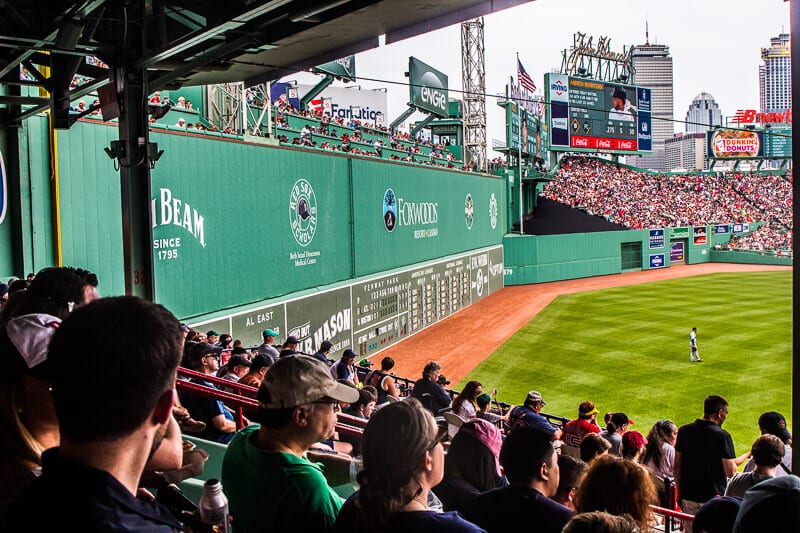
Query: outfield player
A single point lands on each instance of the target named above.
(693, 353)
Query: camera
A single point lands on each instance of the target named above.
(443, 380)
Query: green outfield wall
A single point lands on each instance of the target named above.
(543, 258)
(749, 257)
(370, 313)
(26, 230)
(236, 223)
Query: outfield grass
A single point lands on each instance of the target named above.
(627, 349)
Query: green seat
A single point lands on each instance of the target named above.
(193, 487)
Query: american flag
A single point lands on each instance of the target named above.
(524, 79)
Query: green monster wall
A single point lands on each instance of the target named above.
(237, 223)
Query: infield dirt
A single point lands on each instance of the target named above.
(462, 341)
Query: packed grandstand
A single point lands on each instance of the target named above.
(640, 199)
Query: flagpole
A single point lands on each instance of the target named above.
(519, 150)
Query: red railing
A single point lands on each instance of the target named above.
(673, 520)
(345, 424)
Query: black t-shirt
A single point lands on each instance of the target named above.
(702, 445)
(439, 399)
(69, 495)
(375, 378)
(509, 508)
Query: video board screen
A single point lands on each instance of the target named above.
(588, 115)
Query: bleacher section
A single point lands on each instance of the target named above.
(634, 199)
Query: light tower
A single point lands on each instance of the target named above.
(473, 75)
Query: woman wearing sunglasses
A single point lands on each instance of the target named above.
(403, 459)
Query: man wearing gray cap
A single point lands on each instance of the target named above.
(270, 482)
(528, 414)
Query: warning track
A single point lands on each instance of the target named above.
(462, 341)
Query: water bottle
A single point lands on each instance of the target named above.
(214, 506)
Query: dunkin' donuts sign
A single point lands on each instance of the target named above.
(735, 144)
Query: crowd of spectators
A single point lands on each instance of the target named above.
(364, 134)
(411, 469)
(639, 200)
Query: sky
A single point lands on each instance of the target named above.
(715, 46)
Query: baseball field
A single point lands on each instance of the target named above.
(627, 349)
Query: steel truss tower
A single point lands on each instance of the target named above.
(473, 75)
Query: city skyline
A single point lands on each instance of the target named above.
(709, 54)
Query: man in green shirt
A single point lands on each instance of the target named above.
(271, 483)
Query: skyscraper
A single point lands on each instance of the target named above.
(703, 114)
(653, 68)
(775, 75)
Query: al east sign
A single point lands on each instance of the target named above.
(750, 116)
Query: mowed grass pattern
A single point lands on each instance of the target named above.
(627, 349)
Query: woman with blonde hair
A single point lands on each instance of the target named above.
(403, 459)
(617, 486)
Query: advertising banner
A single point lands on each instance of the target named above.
(428, 87)
(656, 238)
(592, 115)
(676, 250)
(700, 235)
(344, 68)
(678, 233)
(721, 229)
(656, 260)
(741, 228)
(326, 317)
(340, 102)
(735, 144)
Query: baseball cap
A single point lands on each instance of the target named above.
(487, 434)
(775, 424)
(483, 399)
(619, 92)
(348, 353)
(717, 515)
(534, 396)
(587, 408)
(184, 327)
(200, 350)
(633, 439)
(299, 379)
(365, 362)
(239, 360)
(260, 361)
(621, 419)
(212, 332)
(29, 336)
(291, 339)
(270, 333)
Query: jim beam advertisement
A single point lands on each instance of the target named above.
(735, 144)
